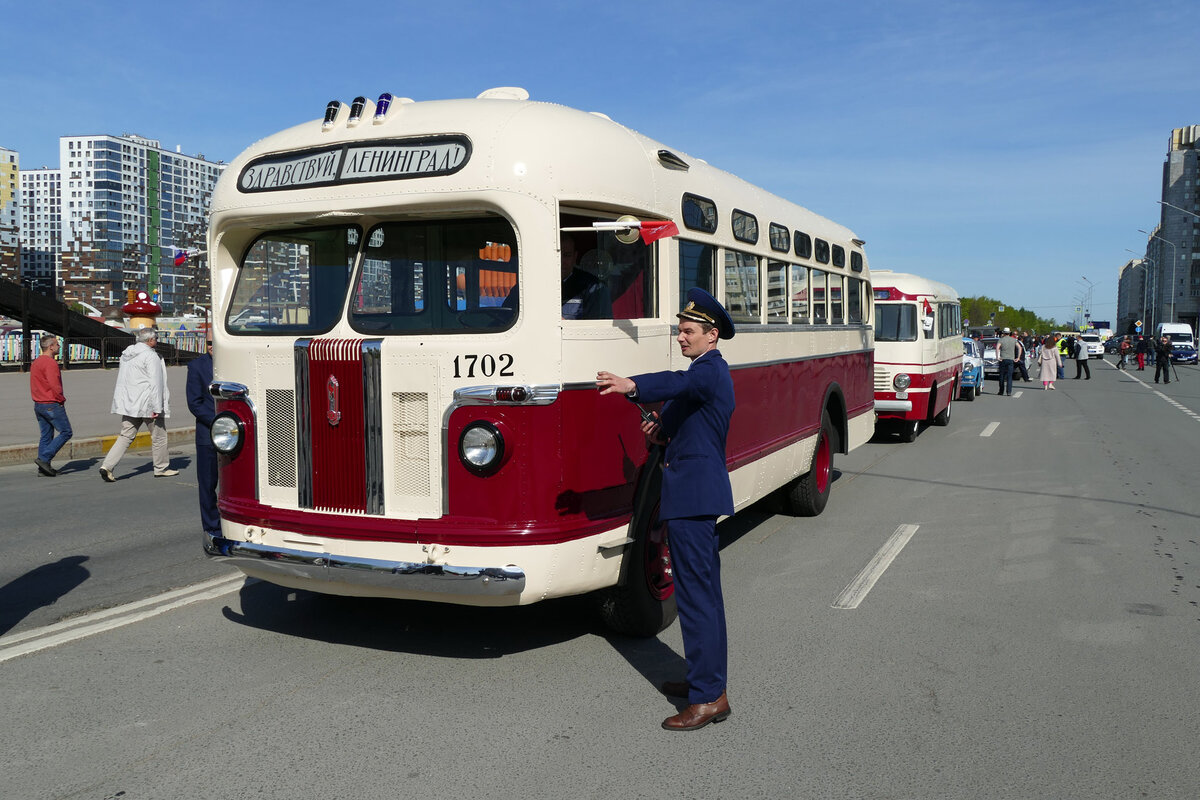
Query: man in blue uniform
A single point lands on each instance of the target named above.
(200, 403)
(695, 491)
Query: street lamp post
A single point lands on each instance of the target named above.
(1174, 252)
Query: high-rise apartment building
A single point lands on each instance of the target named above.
(41, 228)
(126, 205)
(10, 214)
(1170, 272)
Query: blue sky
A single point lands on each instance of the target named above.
(1005, 148)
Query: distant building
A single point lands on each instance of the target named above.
(1173, 250)
(10, 214)
(126, 205)
(41, 228)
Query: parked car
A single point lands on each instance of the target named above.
(971, 385)
(1094, 345)
(1184, 354)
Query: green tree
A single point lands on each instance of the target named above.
(979, 311)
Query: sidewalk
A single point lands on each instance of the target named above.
(89, 398)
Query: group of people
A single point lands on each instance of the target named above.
(142, 399)
(1053, 351)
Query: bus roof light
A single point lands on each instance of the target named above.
(331, 112)
(356, 111)
(381, 108)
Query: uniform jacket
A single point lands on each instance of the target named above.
(141, 383)
(200, 402)
(695, 422)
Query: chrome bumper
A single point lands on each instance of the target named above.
(893, 406)
(411, 576)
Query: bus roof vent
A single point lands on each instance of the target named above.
(671, 161)
(504, 93)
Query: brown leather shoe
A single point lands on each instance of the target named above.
(698, 715)
(675, 688)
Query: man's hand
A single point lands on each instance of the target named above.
(608, 383)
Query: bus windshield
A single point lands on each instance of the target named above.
(895, 322)
(437, 276)
(293, 281)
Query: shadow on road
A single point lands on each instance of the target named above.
(39, 587)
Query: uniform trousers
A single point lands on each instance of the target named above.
(158, 441)
(206, 478)
(696, 566)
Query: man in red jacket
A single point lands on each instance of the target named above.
(49, 405)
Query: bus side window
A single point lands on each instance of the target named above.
(695, 268)
(741, 286)
(854, 304)
(777, 290)
(820, 308)
(835, 299)
(603, 278)
(799, 294)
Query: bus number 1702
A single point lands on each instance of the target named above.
(485, 366)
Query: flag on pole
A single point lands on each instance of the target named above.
(180, 257)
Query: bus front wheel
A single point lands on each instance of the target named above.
(644, 603)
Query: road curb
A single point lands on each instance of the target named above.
(91, 447)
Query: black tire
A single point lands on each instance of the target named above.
(643, 603)
(970, 393)
(807, 495)
(909, 430)
(978, 389)
(943, 418)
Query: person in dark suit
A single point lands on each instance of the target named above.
(203, 407)
(694, 424)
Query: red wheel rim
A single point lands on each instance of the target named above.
(823, 463)
(659, 580)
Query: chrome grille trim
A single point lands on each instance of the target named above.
(373, 423)
(281, 437)
(304, 491)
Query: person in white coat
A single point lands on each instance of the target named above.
(141, 398)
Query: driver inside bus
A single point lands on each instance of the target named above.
(584, 295)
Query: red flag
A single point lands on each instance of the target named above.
(180, 257)
(653, 231)
(928, 308)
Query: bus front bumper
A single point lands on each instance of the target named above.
(893, 406)
(406, 575)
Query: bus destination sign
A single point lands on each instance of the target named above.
(356, 163)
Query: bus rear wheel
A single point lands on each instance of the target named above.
(807, 495)
(644, 603)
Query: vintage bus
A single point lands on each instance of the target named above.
(918, 352)
(412, 302)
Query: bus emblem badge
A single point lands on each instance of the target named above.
(333, 415)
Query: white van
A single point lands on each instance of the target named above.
(1183, 344)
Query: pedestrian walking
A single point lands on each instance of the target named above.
(1142, 348)
(695, 491)
(1049, 364)
(49, 405)
(141, 398)
(204, 408)
(1123, 350)
(1081, 359)
(1006, 353)
(1022, 349)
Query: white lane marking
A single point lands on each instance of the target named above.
(990, 429)
(856, 591)
(1171, 400)
(1018, 393)
(109, 618)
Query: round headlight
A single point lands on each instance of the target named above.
(901, 381)
(227, 433)
(481, 447)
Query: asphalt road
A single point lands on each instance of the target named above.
(1036, 637)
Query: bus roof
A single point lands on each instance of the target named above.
(550, 151)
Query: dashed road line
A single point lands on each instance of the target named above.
(856, 591)
(990, 429)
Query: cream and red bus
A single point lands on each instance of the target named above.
(405, 382)
(918, 352)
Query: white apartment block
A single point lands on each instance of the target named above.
(41, 228)
(126, 206)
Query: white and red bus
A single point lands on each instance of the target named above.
(406, 383)
(918, 352)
